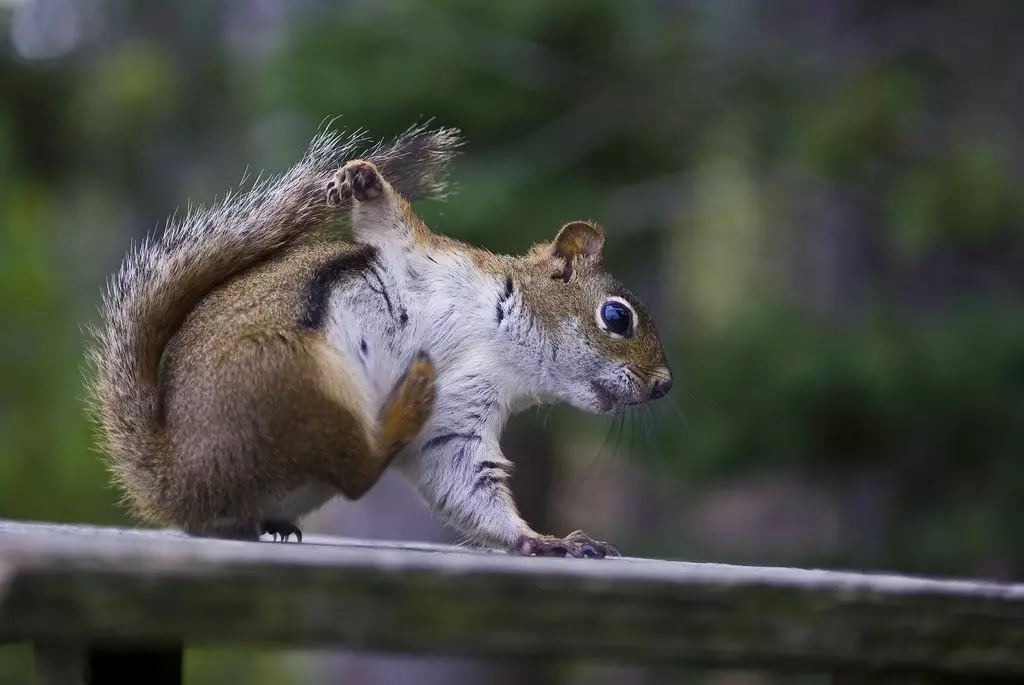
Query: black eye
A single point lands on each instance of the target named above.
(617, 318)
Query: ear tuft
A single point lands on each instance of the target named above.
(579, 239)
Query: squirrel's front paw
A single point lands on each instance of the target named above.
(358, 179)
(574, 544)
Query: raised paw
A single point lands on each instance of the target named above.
(575, 544)
(285, 529)
(358, 179)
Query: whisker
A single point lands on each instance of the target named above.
(655, 371)
(593, 462)
(682, 417)
(618, 438)
(632, 433)
(636, 384)
(648, 422)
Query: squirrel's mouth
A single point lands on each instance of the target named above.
(607, 400)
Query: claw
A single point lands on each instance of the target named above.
(281, 530)
(576, 544)
(358, 179)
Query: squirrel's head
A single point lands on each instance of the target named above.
(603, 349)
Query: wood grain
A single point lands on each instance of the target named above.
(68, 584)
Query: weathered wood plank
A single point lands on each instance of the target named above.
(66, 584)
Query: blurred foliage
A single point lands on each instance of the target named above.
(822, 206)
(937, 409)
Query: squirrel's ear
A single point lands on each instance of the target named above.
(579, 239)
(576, 240)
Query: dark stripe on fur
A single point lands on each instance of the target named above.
(442, 440)
(318, 290)
(487, 466)
(487, 481)
(503, 297)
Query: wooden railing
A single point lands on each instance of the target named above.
(101, 604)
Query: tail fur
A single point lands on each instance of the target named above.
(162, 280)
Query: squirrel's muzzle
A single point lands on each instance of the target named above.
(661, 386)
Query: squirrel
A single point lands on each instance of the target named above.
(251, 364)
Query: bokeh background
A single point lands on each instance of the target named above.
(820, 202)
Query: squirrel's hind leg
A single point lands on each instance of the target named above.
(403, 415)
(241, 454)
(280, 516)
(299, 446)
(400, 420)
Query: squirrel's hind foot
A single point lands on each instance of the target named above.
(358, 179)
(284, 529)
(575, 544)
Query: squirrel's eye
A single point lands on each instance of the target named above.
(617, 318)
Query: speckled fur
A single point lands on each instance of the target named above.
(506, 333)
(172, 460)
(262, 350)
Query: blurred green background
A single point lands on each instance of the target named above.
(820, 202)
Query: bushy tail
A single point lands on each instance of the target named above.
(162, 280)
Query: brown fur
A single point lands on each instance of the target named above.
(566, 276)
(216, 391)
(255, 407)
(180, 406)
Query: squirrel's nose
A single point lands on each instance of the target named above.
(661, 387)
